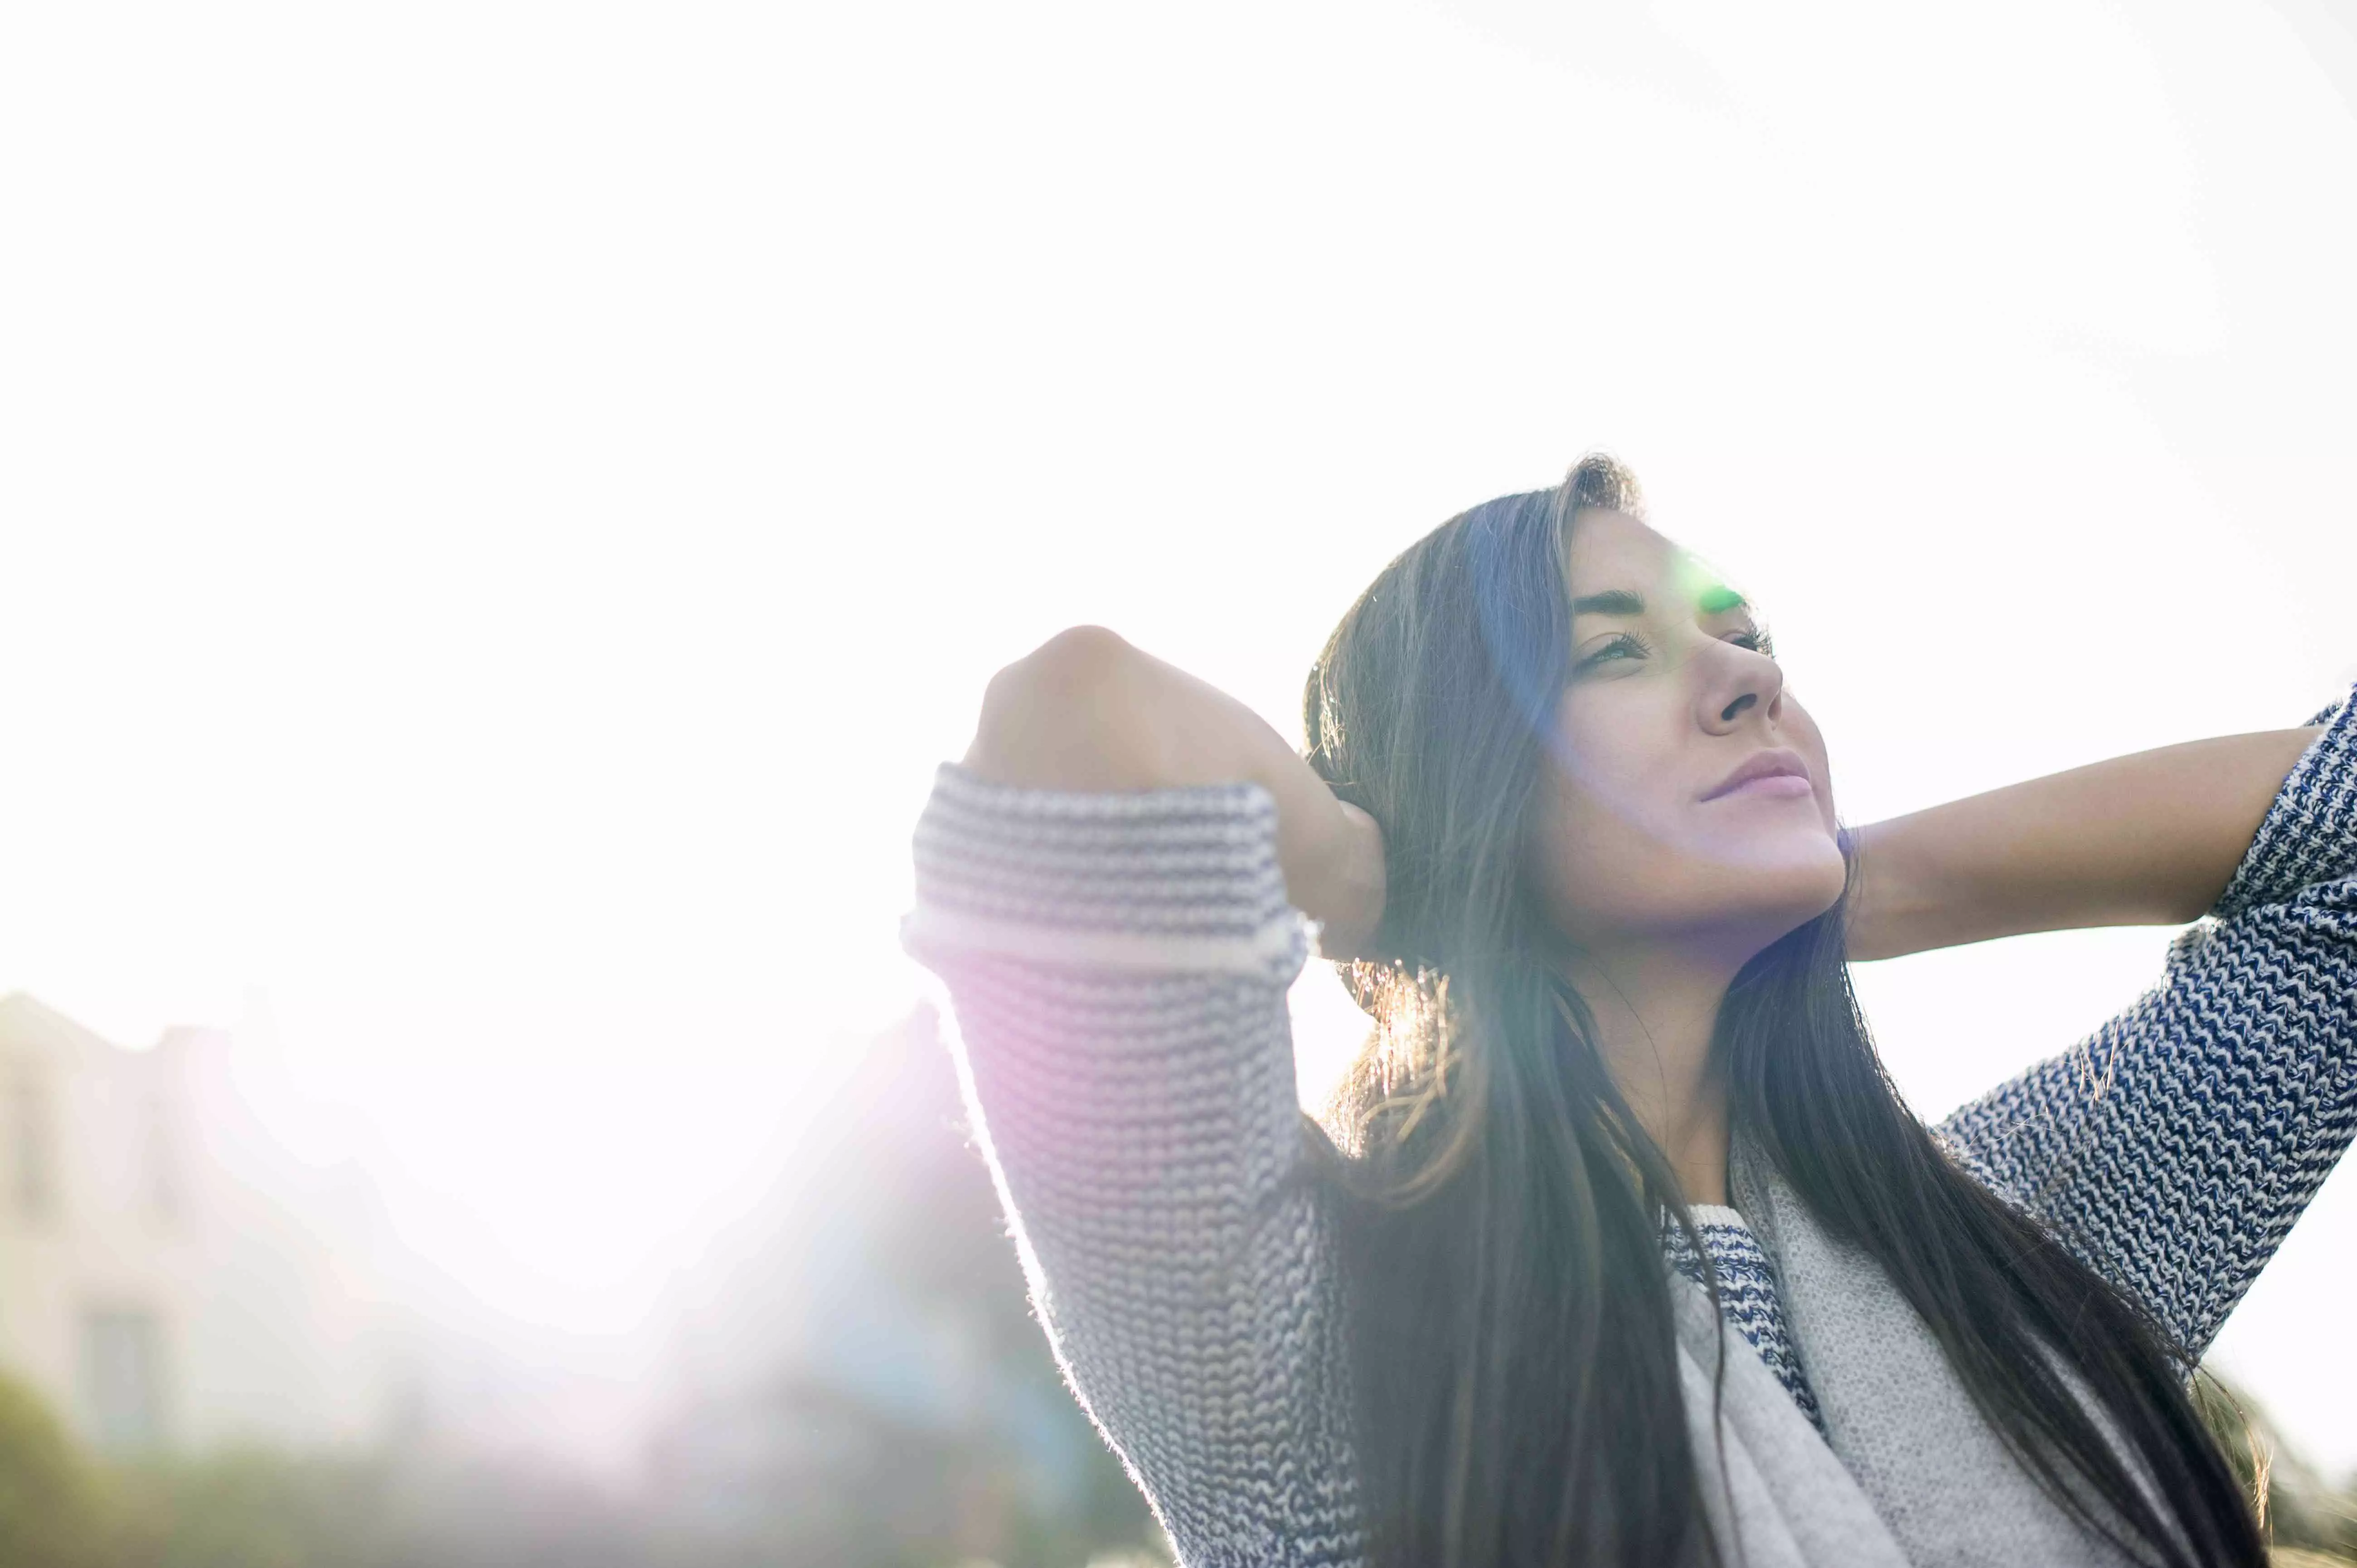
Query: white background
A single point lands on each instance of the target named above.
(504, 505)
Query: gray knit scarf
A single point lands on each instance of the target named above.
(1913, 1476)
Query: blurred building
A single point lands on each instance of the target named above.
(857, 1376)
(152, 1285)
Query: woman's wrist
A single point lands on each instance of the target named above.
(2143, 840)
(1339, 880)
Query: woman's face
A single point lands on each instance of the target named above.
(1688, 798)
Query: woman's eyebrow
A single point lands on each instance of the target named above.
(1612, 602)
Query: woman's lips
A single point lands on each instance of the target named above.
(1777, 786)
(1777, 773)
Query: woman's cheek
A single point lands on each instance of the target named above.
(1810, 741)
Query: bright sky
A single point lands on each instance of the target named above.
(504, 505)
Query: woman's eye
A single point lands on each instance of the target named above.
(1754, 639)
(1626, 645)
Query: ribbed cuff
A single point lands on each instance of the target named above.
(2309, 834)
(1161, 879)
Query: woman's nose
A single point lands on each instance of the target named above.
(1736, 682)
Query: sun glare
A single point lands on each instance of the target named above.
(506, 507)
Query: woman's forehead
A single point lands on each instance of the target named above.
(1612, 550)
(1614, 554)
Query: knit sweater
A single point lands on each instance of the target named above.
(1118, 966)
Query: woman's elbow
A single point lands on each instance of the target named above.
(1070, 714)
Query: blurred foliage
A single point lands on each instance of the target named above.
(2312, 1521)
(254, 1508)
(796, 1461)
(802, 1461)
(62, 1508)
(54, 1510)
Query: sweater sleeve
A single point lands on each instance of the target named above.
(1117, 965)
(2174, 1148)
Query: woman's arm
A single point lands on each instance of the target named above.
(1088, 711)
(2147, 839)
(2175, 1148)
(1103, 889)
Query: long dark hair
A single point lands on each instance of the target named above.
(1503, 1209)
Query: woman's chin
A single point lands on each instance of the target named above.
(1788, 879)
(1801, 849)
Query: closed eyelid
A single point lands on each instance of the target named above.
(1594, 649)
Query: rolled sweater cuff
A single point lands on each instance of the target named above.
(2309, 834)
(1146, 880)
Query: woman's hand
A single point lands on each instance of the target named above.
(1086, 711)
(2147, 839)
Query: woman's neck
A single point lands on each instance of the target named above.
(1655, 1010)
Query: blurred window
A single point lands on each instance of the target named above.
(32, 1174)
(122, 1378)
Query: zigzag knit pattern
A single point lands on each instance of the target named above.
(1117, 966)
(1748, 1297)
(2173, 1149)
(1142, 1127)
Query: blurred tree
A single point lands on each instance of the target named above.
(872, 1490)
(249, 1508)
(925, 1424)
(53, 1510)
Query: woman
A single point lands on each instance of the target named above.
(1619, 1248)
